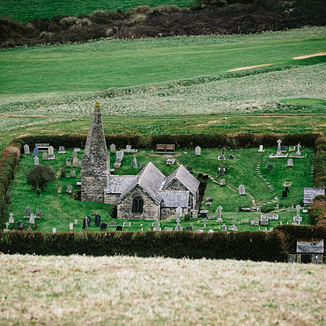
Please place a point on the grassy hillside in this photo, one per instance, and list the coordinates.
(25, 11)
(159, 291)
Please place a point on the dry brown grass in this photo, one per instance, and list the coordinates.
(79, 290)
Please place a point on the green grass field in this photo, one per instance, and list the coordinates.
(25, 11)
(59, 208)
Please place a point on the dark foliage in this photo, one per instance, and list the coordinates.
(40, 176)
(206, 17)
(256, 246)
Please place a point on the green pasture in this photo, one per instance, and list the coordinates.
(59, 208)
(27, 10)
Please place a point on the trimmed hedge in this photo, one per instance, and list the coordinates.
(239, 140)
(256, 246)
(320, 162)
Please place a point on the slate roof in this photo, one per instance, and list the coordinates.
(185, 177)
(118, 183)
(310, 193)
(174, 198)
(149, 179)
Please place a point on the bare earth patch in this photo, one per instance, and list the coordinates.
(250, 67)
(81, 290)
(310, 55)
(207, 124)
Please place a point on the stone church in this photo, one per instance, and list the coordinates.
(148, 195)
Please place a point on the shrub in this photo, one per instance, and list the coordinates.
(40, 176)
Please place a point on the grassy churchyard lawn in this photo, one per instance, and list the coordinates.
(263, 187)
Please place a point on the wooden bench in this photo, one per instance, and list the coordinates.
(165, 148)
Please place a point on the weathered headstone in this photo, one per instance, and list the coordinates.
(198, 150)
(141, 165)
(28, 212)
(35, 151)
(54, 230)
(75, 162)
(112, 223)
(8, 198)
(222, 157)
(263, 220)
(36, 160)
(178, 212)
(134, 162)
(68, 162)
(26, 149)
(269, 166)
(11, 218)
(38, 213)
(32, 219)
(20, 225)
(77, 149)
(220, 212)
(61, 150)
(85, 224)
(290, 162)
(221, 170)
(44, 156)
(89, 220)
(284, 194)
(72, 174)
(233, 227)
(69, 189)
(63, 173)
(189, 228)
(203, 213)
(298, 153)
(224, 228)
(51, 150)
(279, 150)
(76, 222)
(232, 157)
(113, 148)
(119, 228)
(242, 190)
(74, 155)
(97, 220)
(261, 148)
(103, 226)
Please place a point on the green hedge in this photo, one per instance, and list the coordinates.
(320, 162)
(240, 140)
(256, 246)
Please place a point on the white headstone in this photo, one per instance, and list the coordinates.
(32, 219)
(220, 212)
(11, 218)
(7, 225)
(36, 160)
(134, 163)
(26, 149)
(290, 162)
(76, 222)
(198, 150)
(51, 150)
(242, 190)
(71, 226)
(54, 230)
(261, 148)
(75, 162)
(113, 148)
(178, 212)
(279, 150)
(298, 150)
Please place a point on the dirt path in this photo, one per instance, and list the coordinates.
(250, 67)
(310, 55)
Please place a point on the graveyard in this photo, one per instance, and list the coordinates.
(224, 207)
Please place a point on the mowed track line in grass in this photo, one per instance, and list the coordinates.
(94, 66)
(159, 291)
(27, 10)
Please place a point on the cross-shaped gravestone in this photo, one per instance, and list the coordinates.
(279, 151)
(7, 225)
(220, 211)
(298, 150)
(11, 218)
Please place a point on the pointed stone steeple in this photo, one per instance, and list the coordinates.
(95, 162)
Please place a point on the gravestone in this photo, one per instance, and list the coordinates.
(97, 220)
(113, 148)
(219, 209)
(71, 226)
(141, 165)
(20, 225)
(279, 150)
(51, 150)
(194, 213)
(74, 155)
(26, 149)
(77, 149)
(198, 150)
(178, 212)
(69, 189)
(178, 228)
(8, 198)
(263, 220)
(290, 162)
(38, 213)
(7, 225)
(208, 204)
(254, 222)
(284, 194)
(168, 229)
(35, 151)
(242, 190)
(221, 170)
(233, 227)
(103, 226)
(36, 160)
(283, 148)
(189, 228)
(28, 212)
(11, 218)
(85, 224)
(76, 222)
(224, 228)
(128, 148)
(119, 156)
(80, 164)
(112, 223)
(68, 162)
(269, 166)
(134, 163)
(72, 174)
(157, 226)
(75, 162)
(89, 220)
(222, 182)
(222, 157)
(298, 153)
(54, 230)
(231, 158)
(261, 148)
(44, 156)
(119, 228)
(203, 213)
(61, 150)
(63, 173)
(287, 189)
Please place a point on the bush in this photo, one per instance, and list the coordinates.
(40, 176)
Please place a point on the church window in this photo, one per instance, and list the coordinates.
(137, 204)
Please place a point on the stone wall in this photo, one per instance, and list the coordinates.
(151, 211)
(167, 212)
(111, 198)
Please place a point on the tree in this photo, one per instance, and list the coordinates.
(39, 177)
